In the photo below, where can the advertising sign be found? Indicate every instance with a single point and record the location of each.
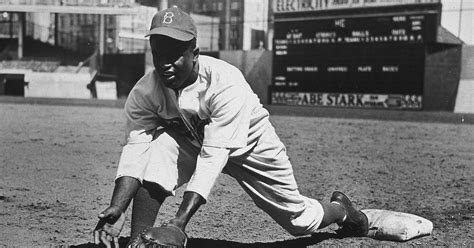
(284, 6)
(382, 101)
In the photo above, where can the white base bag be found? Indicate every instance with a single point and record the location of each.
(396, 226)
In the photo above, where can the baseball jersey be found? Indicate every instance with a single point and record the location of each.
(220, 111)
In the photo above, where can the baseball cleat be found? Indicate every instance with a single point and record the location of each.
(356, 223)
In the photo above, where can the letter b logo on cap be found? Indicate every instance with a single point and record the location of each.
(168, 18)
(174, 23)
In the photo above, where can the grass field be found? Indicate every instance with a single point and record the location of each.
(59, 159)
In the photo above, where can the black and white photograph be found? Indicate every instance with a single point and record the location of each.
(236, 123)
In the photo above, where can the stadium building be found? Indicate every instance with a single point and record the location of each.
(389, 54)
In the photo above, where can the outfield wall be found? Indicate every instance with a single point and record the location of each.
(465, 92)
(467, 70)
(442, 76)
(57, 85)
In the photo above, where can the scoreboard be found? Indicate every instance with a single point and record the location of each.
(374, 60)
(352, 69)
(298, 35)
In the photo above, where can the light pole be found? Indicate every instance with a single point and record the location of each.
(460, 19)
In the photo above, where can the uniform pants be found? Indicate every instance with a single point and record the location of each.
(265, 173)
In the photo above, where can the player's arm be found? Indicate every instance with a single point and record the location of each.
(209, 165)
(140, 126)
(125, 189)
(189, 206)
(112, 218)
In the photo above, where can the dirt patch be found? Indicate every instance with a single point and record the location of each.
(58, 165)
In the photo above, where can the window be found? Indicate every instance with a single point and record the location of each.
(235, 12)
(234, 33)
(197, 7)
(234, 5)
(110, 19)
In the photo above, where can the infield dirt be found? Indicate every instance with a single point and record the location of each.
(58, 164)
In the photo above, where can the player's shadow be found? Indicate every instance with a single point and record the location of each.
(213, 243)
(293, 243)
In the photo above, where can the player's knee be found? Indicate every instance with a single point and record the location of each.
(293, 228)
(298, 227)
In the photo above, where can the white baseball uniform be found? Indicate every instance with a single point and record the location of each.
(224, 126)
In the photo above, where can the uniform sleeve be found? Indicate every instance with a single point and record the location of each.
(230, 117)
(141, 123)
(209, 165)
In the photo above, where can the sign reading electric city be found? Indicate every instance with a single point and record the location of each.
(374, 60)
(290, 6)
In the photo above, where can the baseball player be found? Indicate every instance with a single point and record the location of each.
(192, 118)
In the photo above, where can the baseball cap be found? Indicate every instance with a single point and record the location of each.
(173, 22)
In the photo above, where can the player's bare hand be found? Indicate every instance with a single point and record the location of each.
(111, 222)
